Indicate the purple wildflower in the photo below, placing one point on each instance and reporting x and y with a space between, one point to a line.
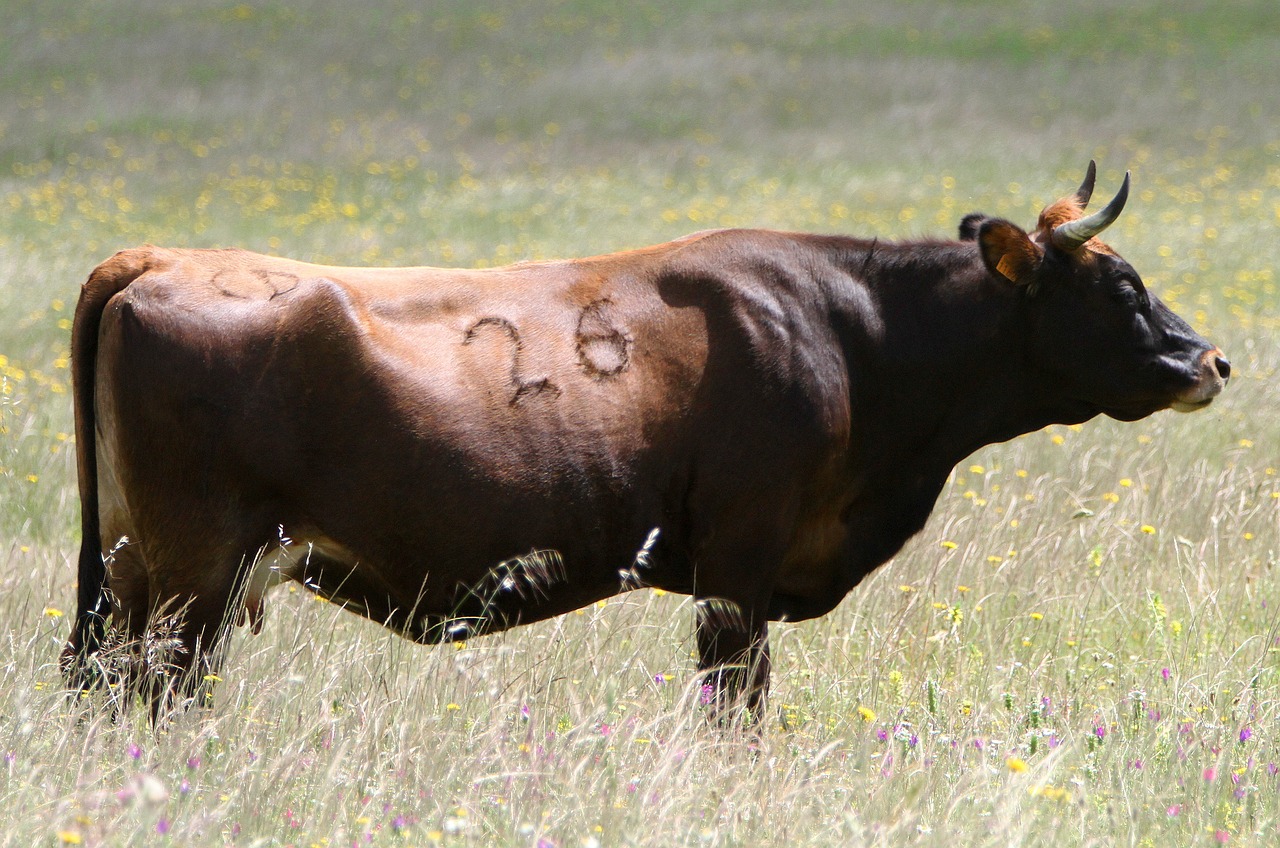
1272 769
162 827
193 763
707 695
134 751
1245 734
1100 731
1165 673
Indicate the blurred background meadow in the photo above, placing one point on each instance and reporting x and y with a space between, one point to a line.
1081 648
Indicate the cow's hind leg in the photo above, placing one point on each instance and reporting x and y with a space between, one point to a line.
130 597
192 609
109 658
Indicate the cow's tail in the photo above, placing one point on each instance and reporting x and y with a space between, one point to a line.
107 280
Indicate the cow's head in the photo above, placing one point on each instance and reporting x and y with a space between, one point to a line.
1105 342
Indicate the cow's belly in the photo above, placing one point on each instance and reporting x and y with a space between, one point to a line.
429 607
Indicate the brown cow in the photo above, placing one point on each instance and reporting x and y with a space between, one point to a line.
766 417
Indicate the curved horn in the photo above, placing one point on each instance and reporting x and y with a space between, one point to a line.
1086 188
1071 235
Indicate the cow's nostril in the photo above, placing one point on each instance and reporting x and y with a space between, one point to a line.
1223 366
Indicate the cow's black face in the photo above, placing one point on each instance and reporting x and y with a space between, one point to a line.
1097 340
1106 343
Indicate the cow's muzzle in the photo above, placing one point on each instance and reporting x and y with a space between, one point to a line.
1215 371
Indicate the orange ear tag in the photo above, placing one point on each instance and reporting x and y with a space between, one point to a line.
1005 267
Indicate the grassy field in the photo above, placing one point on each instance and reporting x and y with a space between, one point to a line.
1081 648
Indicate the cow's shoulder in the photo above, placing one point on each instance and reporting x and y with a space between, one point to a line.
776 284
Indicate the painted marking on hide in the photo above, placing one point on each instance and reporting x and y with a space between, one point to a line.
604 348
256 285
522 386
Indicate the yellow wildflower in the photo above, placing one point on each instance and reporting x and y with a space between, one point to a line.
1053 793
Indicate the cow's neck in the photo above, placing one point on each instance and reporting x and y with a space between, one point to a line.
934 350
941 369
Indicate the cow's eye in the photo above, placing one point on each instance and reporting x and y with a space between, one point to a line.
1130 295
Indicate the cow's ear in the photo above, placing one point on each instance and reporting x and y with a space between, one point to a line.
969 225
1008 252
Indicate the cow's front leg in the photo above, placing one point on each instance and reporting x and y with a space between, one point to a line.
733 652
